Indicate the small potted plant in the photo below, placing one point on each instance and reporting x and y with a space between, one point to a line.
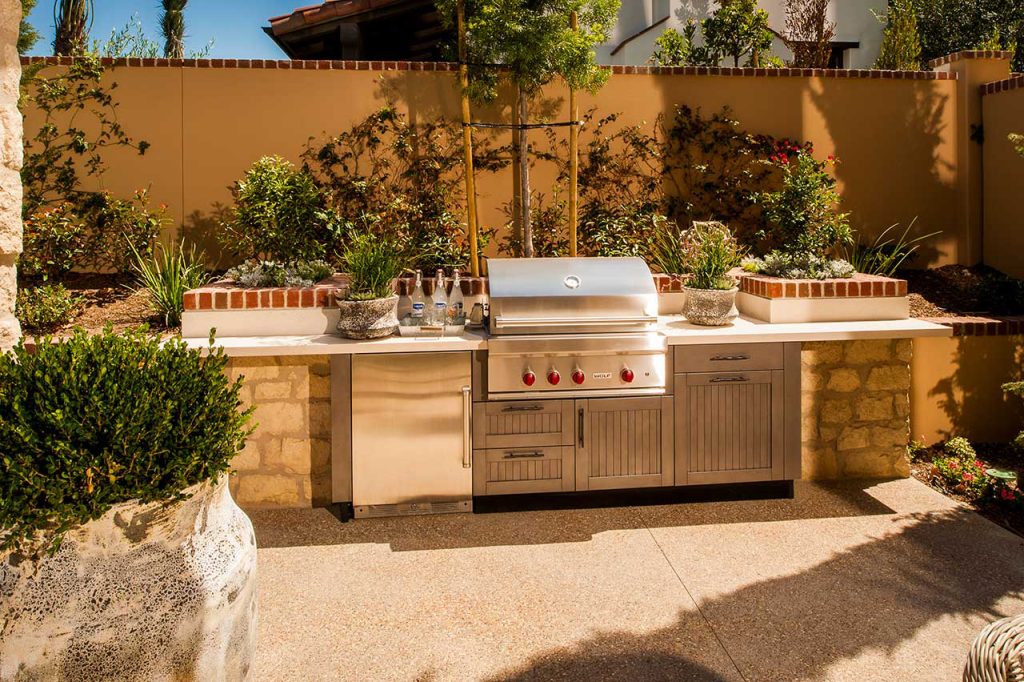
122 553
711 252
369 306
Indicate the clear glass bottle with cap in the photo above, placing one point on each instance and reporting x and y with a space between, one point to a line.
419 302
440 300
456 302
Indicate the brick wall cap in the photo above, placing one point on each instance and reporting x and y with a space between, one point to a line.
996 325
858 286
964 55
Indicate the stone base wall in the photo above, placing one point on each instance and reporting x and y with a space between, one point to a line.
10 166
856 409
287 461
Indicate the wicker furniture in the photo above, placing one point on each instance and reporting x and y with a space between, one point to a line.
997 654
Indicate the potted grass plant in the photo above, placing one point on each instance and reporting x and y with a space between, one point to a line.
369 306
122 554
710 253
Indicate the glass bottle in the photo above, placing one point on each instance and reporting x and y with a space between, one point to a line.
440 300
456 302
419 301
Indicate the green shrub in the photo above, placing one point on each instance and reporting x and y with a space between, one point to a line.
885 255
167 275
372 265
53 242
668 252
45 308
118 229
1016 388
255 274
279 214
710 253
802 215
617 231
94 421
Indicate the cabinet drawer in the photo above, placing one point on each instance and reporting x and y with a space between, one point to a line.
732 357
512 471
522 424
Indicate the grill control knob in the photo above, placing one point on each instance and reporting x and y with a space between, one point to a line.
578 377
554 377
627 375
529 378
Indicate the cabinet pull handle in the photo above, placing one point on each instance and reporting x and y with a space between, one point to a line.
729 358
581 426
521 455
523 408
467 438
721 380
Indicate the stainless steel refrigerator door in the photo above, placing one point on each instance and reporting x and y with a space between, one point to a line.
411 442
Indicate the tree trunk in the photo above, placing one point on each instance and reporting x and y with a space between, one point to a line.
517 197
524 176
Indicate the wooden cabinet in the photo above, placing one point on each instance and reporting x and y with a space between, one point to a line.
523 423
741 424
624 443
511 471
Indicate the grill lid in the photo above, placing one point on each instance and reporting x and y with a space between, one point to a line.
551 295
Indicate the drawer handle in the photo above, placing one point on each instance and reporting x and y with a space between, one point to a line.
523 408
722 380
523 455
729 358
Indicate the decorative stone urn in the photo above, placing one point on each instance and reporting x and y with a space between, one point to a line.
146 592
373 319
710 307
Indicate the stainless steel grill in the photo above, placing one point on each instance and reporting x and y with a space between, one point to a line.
573 326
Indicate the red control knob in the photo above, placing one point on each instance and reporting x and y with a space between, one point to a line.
554 377
529 378
578 377
627 376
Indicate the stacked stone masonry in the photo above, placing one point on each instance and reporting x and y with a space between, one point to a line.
287 460
10 167
856 409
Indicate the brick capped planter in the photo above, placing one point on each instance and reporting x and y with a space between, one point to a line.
861 297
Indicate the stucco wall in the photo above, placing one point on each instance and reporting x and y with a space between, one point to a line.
1004 181
10 165
956 388
895 137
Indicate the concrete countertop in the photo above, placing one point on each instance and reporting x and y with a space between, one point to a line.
674 327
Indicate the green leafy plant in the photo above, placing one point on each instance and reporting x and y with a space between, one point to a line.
167 275
617 230
255 274
960 470
52 243
172 24
94 421
711 252
1016 388
550 229
802 215
1017 140
402 182
27 33
372 265
45 308
737 29
673 48
668 249
280 213
117 229
901 43
885 255
947 26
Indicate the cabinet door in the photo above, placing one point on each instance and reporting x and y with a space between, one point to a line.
729 427
623 443
522 423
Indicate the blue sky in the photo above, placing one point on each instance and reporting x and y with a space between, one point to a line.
235 26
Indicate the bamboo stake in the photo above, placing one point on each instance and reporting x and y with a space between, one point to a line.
574 161
467 142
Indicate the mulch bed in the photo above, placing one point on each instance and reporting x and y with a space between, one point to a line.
110 300
994 455
961 291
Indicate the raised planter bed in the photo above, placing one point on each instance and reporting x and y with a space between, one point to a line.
858 298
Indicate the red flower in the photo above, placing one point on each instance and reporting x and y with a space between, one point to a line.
785 159
968 477
1007 494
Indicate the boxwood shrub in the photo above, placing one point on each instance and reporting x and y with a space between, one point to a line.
94 421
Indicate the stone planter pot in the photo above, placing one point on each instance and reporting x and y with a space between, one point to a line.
368 319
146 592
710 307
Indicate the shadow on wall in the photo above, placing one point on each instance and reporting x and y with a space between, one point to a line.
970 395
870 598
914 117
201 229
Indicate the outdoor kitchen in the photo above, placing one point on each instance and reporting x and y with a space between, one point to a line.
573 377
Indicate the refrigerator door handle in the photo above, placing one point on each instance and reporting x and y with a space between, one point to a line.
467 421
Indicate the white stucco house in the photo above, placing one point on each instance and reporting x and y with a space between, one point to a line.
855 46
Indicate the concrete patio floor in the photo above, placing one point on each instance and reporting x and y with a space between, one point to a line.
871 581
